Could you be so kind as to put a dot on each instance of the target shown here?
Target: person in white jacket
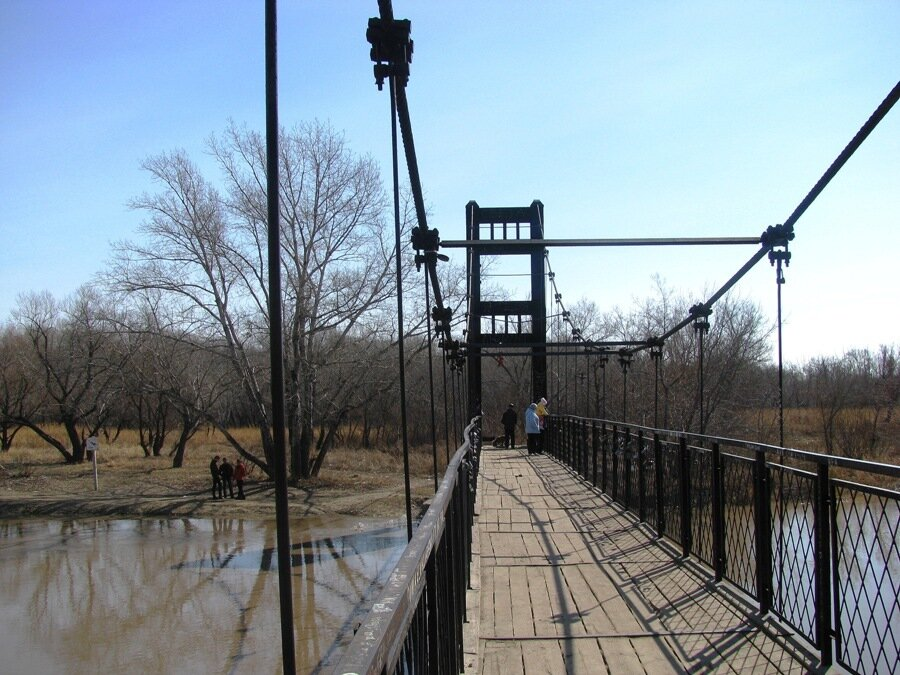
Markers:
(533, 429)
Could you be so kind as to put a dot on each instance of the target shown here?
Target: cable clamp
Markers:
(391, 49)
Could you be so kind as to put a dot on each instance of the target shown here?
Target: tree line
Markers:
(850, 399)
(174, 335)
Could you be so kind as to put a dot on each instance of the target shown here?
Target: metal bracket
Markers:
(391, 49)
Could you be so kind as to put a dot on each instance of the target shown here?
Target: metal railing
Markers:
(820, 552)
(415, 625)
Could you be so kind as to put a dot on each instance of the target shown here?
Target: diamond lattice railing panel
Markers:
(793, 548)
(740, 516)
(701, 504)
(649, 483)
(867, 525)
(671, 485)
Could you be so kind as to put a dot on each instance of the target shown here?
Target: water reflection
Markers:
(190, 595)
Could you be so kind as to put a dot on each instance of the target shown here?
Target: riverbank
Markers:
(34, 484)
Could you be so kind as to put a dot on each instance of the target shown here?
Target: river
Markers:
(183, 595)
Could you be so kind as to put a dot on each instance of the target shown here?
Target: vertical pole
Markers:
(763, 533)
(823, 563)
(685, 485)
(431, 381)
(96, 477)
(400, 347)
(660, 493)
(603, 361)
(701, 313)
(779, 282)
(718, 512)
(604, 447)
(702, 417)
(279, 470)
(446, 408)
(641, 480)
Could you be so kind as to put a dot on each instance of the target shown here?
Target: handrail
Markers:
(813, 549)
(380, 640)
(892, 470)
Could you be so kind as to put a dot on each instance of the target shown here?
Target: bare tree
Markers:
(20, 399)
(206, 251)
(71, 354)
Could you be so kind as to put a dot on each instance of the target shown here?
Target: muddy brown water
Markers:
(183, 596)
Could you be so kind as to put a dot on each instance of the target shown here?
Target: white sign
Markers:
(91, 444)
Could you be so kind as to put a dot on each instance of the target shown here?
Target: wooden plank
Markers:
(502, 602)
(522, 621)
(542, 657)
(541, 609)
(502, 658)
(585, 656)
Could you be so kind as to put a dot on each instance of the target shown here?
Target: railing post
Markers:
(615, 462)
(585, 457)
(431, 598)
(594, 447)
(563, 445)
(684, 483)
(604, 449)
(763, 524)
(459, 564)
(718, 512)
(551, 436)
(823, 526)
(642, 515)
(660, 494)
(626, 470)
(571, 442)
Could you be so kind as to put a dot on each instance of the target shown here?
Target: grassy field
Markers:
(351, 481)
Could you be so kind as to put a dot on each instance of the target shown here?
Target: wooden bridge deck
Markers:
(565, 582)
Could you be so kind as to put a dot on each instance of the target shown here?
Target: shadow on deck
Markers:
(564, 581)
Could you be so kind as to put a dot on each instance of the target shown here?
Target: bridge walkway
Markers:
(563, 581)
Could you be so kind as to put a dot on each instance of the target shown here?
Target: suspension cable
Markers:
(446, 406)
(431, 383)
(400, 347)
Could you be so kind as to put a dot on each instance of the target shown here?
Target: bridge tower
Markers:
(517, 324)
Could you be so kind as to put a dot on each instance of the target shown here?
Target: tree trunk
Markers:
(326, 442)
(75, 440)
(189, 427)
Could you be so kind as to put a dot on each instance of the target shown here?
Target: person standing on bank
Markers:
(227, 473)
(532, 428)
(240, 472)
(216, 478)
(509, 420)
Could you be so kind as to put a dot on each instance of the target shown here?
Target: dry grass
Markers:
(351, 480)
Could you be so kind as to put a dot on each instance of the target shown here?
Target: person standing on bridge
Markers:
(542, 413)
(532, 429)
(509, 419)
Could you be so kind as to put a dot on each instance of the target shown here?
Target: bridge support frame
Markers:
(514, 225)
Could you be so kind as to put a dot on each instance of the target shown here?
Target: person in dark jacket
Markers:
(216, 478)
(226, 471)
(509, 420)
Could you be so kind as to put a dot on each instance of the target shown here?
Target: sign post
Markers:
(92, 446)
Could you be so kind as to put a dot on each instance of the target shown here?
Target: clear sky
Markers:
(647, 119)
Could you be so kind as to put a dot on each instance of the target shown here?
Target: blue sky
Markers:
(648, 119)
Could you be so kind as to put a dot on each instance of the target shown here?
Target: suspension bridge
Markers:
(619, 547)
